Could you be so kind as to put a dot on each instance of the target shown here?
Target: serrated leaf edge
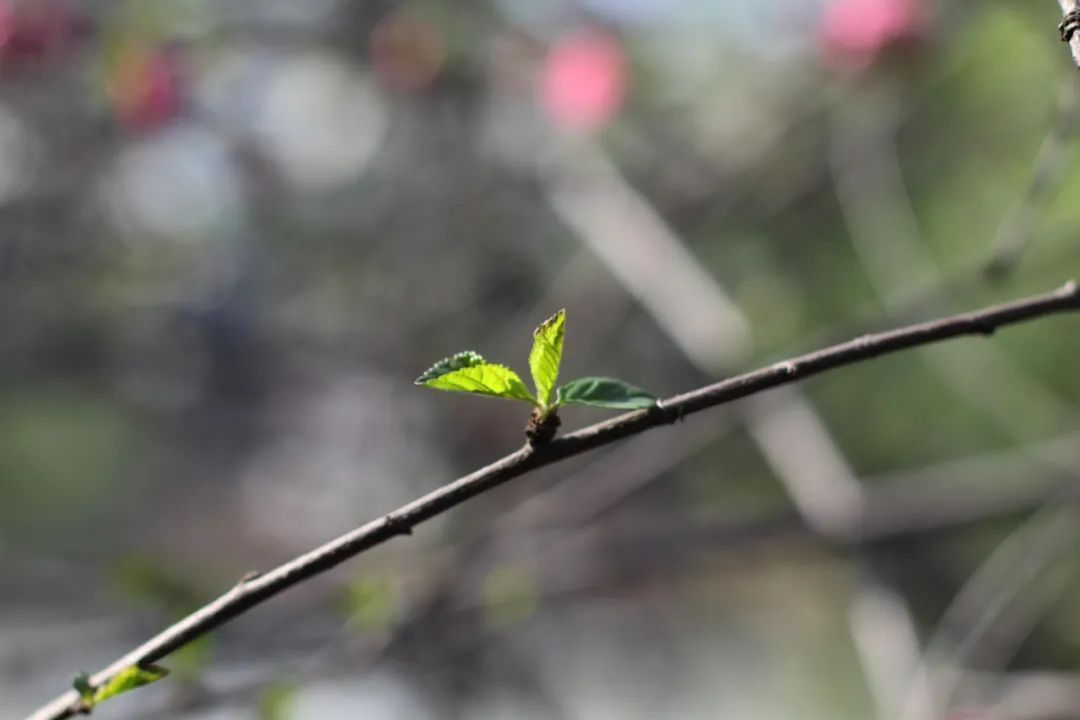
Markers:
(432, 373)
(492, 392)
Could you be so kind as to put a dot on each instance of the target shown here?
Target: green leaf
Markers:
(129, 679)
(546, 355)
(604, 392)
(446, 365)
(485, 379)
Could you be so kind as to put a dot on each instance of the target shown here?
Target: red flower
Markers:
(584, 81)
(31, 31)
(855, 32)
(145, 86)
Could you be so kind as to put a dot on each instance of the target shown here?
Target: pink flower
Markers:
(146, 86)
(583, 84)
(34, 31)
(855, 32)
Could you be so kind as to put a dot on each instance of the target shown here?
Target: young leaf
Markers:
(129, 679)
(485, 379)
(446, 365)
(546, 355)
(604, 392)
(81, 683)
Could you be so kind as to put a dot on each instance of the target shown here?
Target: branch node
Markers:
(249, 576)
(398, 525)
(541, 428)
(1069, 25)
(665, 414)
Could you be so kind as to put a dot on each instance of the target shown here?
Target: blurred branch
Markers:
(872, 194)
(1028, 695)
(1007, 582)
(1052, 160)
(623, 228)
(254, 590)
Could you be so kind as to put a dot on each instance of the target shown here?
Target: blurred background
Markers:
(232, 233)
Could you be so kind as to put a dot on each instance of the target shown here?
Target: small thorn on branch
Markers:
(249, 576)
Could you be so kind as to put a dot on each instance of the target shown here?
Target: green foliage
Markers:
(511, 596)
(124, 681)
(486, 379)
(189, 661)
(469, 372)
(277, 701)
(63, 453)
(546, 355)
(465, 359)
(604, 392)
(128, 680)
(370, 603)
(146, 581)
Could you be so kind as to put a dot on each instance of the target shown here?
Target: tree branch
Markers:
(252, 591)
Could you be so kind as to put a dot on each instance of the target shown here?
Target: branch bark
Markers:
(252, 591)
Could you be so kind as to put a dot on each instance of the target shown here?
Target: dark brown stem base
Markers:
(541, 429)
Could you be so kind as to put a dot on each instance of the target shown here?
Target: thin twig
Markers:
(250, 592)
(1014, 233)
(901, 503)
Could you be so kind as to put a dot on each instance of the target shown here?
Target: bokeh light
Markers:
(321, 120)
(855, 32)
(180, 184)
(407, 50)
(584, 82)
(146, 84)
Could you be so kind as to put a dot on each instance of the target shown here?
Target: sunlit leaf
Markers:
(485, 379)
(604, 392)
(129, 679)
(546, 355)
(446, 365)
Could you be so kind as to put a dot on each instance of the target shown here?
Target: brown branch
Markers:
(252, 591)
